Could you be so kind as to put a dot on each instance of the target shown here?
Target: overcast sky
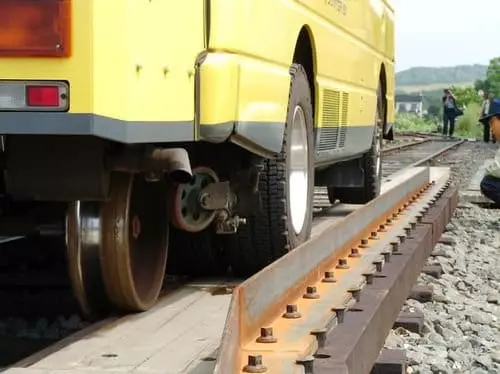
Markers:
(446, 32)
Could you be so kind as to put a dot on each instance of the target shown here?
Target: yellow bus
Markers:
(194, 128)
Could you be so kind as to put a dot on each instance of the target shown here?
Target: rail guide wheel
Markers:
(117, 249)
(186, 213)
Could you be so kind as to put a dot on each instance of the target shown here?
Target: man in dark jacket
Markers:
(449, 113)
(484, 112)
(490, 184)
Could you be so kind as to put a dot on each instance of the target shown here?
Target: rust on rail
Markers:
(278, 317)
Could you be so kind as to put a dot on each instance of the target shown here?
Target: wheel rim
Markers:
(135, 241)
(298, 185)
(83, 233)
(187, 214)
(378, 136)
(378, 152)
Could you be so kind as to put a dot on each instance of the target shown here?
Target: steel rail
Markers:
(296, 279)
(402, 147)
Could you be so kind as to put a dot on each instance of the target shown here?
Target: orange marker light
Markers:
(35, 28)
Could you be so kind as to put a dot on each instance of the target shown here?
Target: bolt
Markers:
(400, 210)
(266, 335)
(407, 230)
(394, 215)
(395, 247)
(320, 335)
(382, 228)
(419, 218)
(355, 292)
(406, 205)
(364, 243)
(329, 277)
(342, 264)
(378, 265)
(413, 225)
(387, 256)
(255, 365)
(388, 221)
(292, 312)
(311, 293)
(307, 362)
(374, 235)
(402, 238)
(339, 314)
(368, 278)
(355, 252)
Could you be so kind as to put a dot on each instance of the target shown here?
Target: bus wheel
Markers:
(128, 235)
(286, 185)
(372, 164)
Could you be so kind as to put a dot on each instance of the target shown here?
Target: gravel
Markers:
(462, 325)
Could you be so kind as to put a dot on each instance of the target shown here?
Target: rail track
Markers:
(323, 294)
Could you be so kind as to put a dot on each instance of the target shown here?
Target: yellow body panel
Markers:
(141, 62)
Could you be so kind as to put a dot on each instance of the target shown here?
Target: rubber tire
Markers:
(372, 182)
(195, 254)
(269, 235)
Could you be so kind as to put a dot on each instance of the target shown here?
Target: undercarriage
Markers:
(121, 207)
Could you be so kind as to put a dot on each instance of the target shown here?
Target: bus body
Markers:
(88, 88)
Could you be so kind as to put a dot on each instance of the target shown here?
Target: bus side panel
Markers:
(144, 61)
(345, 63)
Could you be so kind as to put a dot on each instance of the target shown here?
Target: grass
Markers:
(466, 125)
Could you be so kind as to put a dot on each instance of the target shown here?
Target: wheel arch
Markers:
(387, 128)
(305, 55)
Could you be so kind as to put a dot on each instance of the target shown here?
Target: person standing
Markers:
(450, 111)
(486, 126)
(490, 184)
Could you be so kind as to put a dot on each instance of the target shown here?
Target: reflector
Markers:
(35, 28)
(42, 96)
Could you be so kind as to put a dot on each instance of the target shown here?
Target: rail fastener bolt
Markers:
(368, 277)
(378, 265)
(308, 363)
(339, 313)
(419, 218)
(413, 225)
(329, 277)
(387, 256)
(364, 243)
(402, 238)
(255, 365)
(407, 230)
(292, 312)
(355, 252)
(374, 235)
(311, 293)
(394, 215)
(388, 221)
(355, 292)
(320, 335)
(395, 247)
(382, 228)
(342, 264)
(266, 335)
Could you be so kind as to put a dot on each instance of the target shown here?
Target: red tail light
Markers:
(32, 28)
(42, 96)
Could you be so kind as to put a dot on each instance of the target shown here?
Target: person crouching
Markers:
(490, 184)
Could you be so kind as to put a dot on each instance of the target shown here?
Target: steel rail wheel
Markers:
(134, 241)
(83, 242)
(186, 212)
